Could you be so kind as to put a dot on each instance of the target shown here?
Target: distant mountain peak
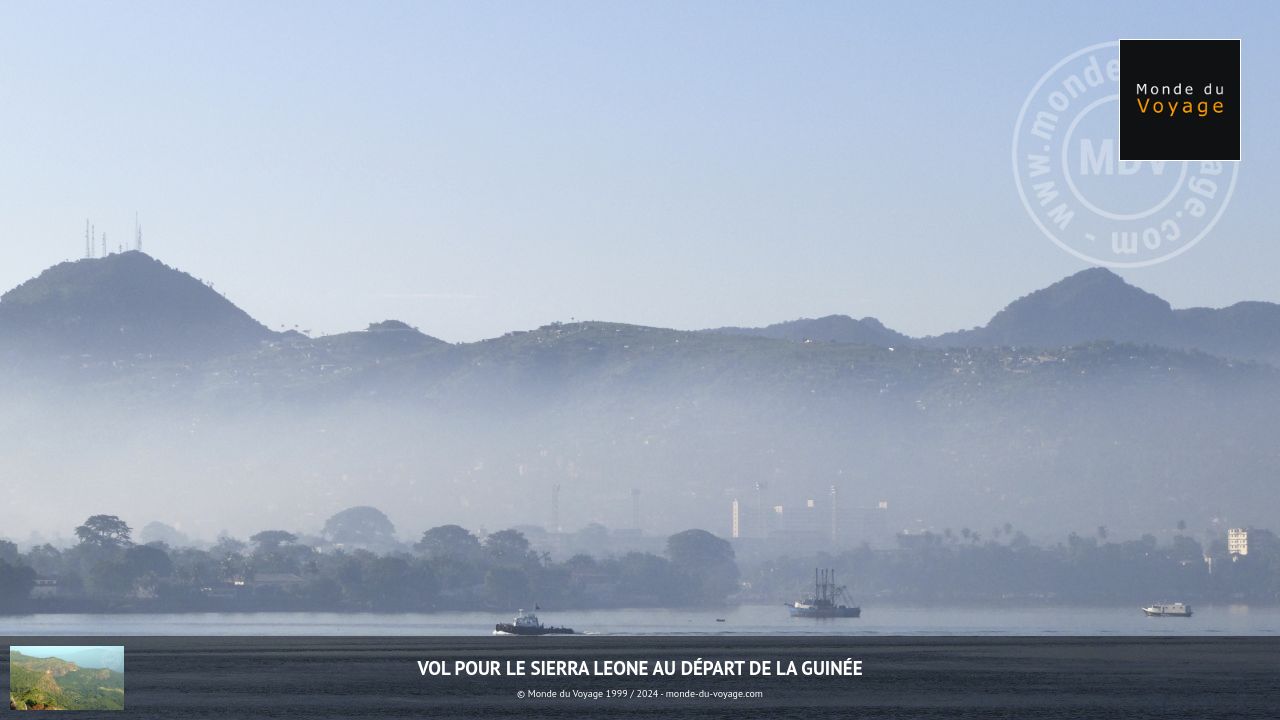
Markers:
(388, 337)
(828, 328)
(1090, 305)
(122, 305)
(1095, 273)
(1080, 305)
(391, 326)
(1086, 283)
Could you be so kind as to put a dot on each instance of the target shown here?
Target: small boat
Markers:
(526, 623)
(1167, 610)
(825, 602)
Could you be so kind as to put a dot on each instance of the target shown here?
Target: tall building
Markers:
(1238, 541)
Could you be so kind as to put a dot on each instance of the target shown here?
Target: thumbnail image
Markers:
(66, 677)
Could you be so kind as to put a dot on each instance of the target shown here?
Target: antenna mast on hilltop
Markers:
(88, 240)
(137, 233)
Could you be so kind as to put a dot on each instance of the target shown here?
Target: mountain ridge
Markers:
(129, 304)
(475, 433)
(829, 328)
(1092, 305)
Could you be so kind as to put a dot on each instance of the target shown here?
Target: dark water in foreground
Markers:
(951, 677)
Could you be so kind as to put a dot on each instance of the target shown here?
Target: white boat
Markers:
(1167, 610)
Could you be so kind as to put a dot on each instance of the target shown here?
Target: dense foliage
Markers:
(56, 684)
(1006, 567)
(451, 568)
(448, 568)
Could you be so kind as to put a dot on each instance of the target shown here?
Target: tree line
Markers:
(357, 564)
(946, 567)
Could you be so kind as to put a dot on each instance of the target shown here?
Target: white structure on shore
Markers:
(1238, 541)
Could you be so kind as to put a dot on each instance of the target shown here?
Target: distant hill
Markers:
(478, 433)
(129, 305)
(389, 337)
(1031, 420)
(121, 306)
(57, 684)
(832, 328)
(1094, 305)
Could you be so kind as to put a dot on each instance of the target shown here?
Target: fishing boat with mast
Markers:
(828, 600)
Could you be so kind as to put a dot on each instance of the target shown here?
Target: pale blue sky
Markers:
(473, 168)
(87, 656)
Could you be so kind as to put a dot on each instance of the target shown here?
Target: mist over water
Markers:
(1125, 462)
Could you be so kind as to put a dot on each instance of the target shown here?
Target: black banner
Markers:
(711, 677)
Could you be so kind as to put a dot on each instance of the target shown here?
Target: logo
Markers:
(1082, 196)
(1180, 99)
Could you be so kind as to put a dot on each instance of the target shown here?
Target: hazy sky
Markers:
(473, 168)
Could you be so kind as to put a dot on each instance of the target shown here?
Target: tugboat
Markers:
(825, 602)
(1167, 610)
(526, 623)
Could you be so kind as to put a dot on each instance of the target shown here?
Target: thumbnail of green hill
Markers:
(55, 684)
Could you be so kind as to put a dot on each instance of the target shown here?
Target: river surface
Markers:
(1208, 620)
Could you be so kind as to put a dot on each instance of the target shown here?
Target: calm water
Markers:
(744, 620)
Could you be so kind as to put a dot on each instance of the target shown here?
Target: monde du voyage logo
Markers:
(1124, 152)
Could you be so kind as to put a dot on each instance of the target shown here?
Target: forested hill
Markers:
(125, 305)
(56, 684)
(1093, 305)
(271, 429)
